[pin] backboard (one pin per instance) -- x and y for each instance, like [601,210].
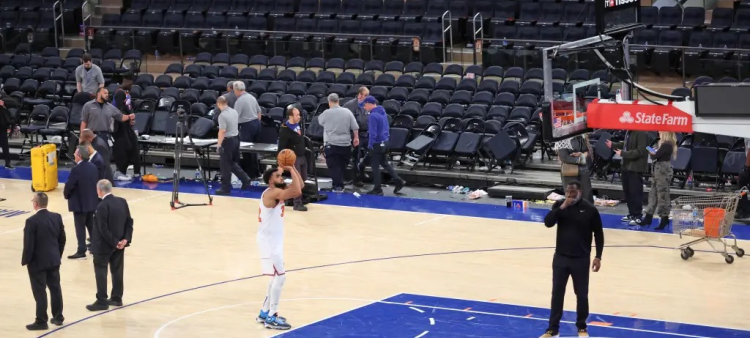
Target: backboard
[566,116]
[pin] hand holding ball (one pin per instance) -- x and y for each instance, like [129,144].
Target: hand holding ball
[286,158]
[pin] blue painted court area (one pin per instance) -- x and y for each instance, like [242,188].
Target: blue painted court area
[408,315]
[365,201]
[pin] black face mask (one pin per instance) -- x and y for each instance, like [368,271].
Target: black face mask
[280,185]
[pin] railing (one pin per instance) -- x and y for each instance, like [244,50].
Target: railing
[448,29]
[361,39]
[87,13]
[476,32]
[55,6]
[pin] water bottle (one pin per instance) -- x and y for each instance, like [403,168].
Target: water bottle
[197,175]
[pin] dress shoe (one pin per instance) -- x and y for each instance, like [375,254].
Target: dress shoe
[37,326]
[114,302]
[77,256]
[221,192]
[57,320]
[375,192]
[97,306]
[300,207]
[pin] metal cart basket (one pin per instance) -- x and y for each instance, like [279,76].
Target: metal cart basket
[710,219]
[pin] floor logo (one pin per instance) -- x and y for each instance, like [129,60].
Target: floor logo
[8,213]
[626,118]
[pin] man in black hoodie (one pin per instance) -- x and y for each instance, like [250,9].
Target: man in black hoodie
[634,164]
[290,137]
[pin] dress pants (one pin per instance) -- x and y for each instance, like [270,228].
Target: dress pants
[378,158]
[562,268]
[84,221]
[116,263]
[301,165]
[4,146]
[632,188]
[337,159]
[40,281]
[249,132]
[228,158]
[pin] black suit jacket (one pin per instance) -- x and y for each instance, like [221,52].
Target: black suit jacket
[98,161]
[43,240]
[112,224]
[80,189]
[102,147]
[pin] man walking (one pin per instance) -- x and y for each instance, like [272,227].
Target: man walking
[634,164]
[338,125]
[89,77]
[43,245]
[378,142]
[228,147]
[113,230]
[80,191]
[249,114]
[361,155]
[576,220]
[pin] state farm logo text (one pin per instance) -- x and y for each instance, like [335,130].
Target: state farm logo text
[643,118]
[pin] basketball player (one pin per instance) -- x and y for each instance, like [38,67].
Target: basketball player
[271,240]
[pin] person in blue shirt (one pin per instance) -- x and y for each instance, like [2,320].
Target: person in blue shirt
[378,145]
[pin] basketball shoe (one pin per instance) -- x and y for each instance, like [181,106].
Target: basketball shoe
[550,334]
[277,323]
[263,316]
[583,333]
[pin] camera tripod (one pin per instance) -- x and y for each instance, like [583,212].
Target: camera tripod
[179,144]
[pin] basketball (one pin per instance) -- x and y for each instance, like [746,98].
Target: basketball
[286,158]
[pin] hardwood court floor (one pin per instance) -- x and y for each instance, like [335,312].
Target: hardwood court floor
[507,261]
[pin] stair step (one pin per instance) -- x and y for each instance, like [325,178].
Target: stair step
[101,10]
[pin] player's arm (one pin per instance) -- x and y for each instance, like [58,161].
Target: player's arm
[295,189]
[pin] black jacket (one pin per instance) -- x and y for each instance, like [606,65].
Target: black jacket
[635,158]
[112,224]
[290,139]
[101,167]
[102,148]
[575,226]
[43,241]
[80,188]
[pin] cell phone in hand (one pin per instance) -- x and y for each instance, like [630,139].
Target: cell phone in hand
[650,150]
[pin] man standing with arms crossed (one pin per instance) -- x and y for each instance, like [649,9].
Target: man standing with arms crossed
[270,240]
[249,113]
[576,220]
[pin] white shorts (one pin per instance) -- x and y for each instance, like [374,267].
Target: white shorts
[272,266]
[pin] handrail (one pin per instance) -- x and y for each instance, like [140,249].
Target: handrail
[476,31]
[86,16]
[557,42]
[448,29]
[232,30]
[56,17]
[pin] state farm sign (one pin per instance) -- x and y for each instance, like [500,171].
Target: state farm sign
[634,116]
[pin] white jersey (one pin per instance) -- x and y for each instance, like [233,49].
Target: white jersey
[271,229]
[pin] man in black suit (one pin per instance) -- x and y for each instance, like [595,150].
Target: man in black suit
[113,230]
[80,191]
[96,158]
[43,245]
[101,147]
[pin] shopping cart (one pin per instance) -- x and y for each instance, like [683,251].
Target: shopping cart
[710,219]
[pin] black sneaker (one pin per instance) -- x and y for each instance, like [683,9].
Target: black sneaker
[37,326]
[277,323]
[97,306]
[358,184]
[79,256]
[9,167]
[375,192]
[114,302]
[399,186]
[57,320]
[300,207]
[221,192]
